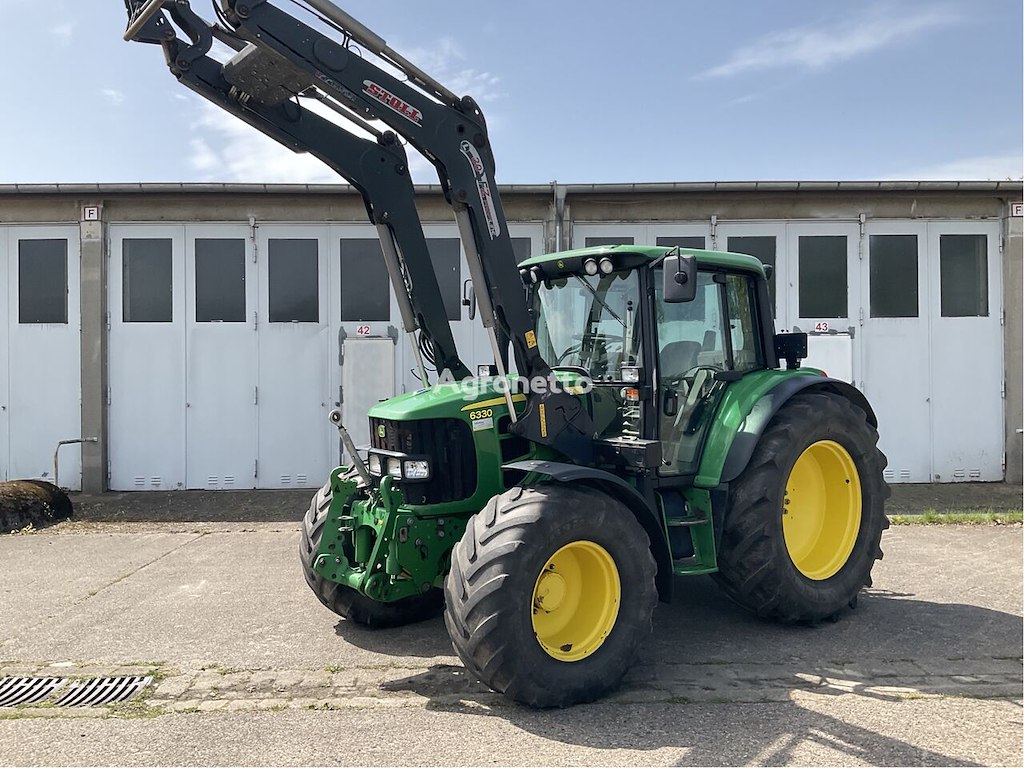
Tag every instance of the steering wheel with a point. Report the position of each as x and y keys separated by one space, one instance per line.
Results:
x=569 y=351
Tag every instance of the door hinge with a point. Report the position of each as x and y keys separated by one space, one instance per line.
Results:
x=108 y=395
x=253 y=227
x=861 y=313
x=255 y=395
x=1002 y=389
x=256 y=468
x=1002 y=317
x=108 y=321
x=862 y=218
x=255 y=320
x=109 y=470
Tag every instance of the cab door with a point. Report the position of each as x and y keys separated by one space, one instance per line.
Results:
x=697 y=340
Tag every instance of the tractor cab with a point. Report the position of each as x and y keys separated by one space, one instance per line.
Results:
x=659 y=363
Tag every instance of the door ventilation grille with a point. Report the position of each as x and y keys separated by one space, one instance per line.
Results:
x=27 y=690
x=102 y=690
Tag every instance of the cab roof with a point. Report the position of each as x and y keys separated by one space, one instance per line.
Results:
x=571 y=261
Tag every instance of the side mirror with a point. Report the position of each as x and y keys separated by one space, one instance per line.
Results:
x=679 y=278
x=469 y=298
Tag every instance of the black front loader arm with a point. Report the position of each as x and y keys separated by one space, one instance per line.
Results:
x=452 y=134
x=378 y=170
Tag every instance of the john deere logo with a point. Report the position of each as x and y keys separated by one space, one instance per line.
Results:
x=381 y=431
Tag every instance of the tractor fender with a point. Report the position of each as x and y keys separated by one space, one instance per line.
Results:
x=619 y=489
x=764 y=410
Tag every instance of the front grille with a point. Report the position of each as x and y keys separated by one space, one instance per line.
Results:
x=448 y=443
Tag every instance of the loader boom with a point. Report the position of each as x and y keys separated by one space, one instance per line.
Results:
x=262 y=89
x=449 y=131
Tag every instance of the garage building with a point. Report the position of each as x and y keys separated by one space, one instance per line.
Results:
x=197 y=335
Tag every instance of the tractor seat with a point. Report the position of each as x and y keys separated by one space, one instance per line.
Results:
x=677 y=357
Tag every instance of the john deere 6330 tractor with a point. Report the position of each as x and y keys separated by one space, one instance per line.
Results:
x=652 y=431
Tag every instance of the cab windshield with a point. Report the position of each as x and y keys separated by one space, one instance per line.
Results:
x=590 y=322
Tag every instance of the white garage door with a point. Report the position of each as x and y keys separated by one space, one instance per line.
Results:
x=146 y=312
x=5 y=289
x=295 y=441
x=221 y=387
x=40 y=352
x=966 y=351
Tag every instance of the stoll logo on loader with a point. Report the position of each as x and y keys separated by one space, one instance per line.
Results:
x=392 y=102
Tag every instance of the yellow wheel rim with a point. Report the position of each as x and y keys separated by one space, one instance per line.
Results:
x=822 y=509
x=576 y=600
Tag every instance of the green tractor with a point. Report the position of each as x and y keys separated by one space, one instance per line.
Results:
x=708 y=459
x=651 y=430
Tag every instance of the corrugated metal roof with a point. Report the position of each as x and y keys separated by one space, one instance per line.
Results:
x=572 y=189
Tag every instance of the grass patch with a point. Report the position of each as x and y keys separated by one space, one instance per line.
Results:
x=932 y=517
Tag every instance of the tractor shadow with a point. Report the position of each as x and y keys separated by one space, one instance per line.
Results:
x=701 y=630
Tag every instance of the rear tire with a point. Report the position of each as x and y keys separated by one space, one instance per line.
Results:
x=805 y=518
x=550 y=594
x=344 y=601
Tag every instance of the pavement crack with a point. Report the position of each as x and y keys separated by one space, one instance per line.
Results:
x=141 y=567
x=118 y=580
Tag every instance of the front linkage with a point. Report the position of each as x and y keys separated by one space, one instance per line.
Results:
x=375 y=544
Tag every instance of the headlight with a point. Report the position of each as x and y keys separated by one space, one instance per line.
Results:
x=395 y=467
x=417 y=469
x=630 y=374
x=590 y=266
x=607 y=267
x=373 y=464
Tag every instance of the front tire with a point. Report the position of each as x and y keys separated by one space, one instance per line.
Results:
x=344 y=601
x=806 y=516
x=550 y=593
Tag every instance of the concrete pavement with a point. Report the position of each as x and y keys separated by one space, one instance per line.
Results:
x=252 y=669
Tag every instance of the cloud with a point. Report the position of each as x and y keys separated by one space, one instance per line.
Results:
x=443 y=61
x=1009 y=165
x=817 y=47
x=63 y=32
x=226 y=149
x=114 y=96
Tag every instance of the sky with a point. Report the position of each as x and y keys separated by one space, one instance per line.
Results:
x=578 y=91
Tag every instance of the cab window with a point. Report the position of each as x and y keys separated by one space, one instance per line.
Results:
x=697 y=340
x=743 y=329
